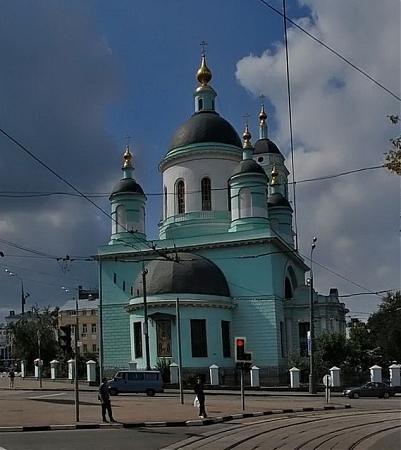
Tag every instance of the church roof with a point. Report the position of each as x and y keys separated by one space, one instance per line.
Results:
x=265 y=146
x=127 y=186
x=205 y=126
x=248 y=166
x=277 y=199
x=192 y=274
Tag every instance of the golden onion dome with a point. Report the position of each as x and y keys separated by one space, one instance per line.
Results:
x=204 y=75
x=262 y=114
x=127 y=157
x=274 y=175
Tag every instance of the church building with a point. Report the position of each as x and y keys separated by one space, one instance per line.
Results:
x=225 y=251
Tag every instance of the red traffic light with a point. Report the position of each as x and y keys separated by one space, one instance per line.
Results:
x=240 y=342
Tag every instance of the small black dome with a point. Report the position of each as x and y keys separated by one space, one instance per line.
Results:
x=277 y=199
x=265 y=146
x=192 y=274
x=248 y=166
x=127 y=185
x=205 y=126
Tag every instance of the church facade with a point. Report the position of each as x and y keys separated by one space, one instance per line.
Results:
x=225 y=251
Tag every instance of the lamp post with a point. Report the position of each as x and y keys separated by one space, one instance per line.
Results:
x=312 y=387
x=23 y=295
x=145 y=318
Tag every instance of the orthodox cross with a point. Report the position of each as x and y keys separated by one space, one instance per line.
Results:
x=203 y=44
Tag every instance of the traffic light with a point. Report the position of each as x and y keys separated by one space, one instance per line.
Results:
x=64 y=338
x=240 y=354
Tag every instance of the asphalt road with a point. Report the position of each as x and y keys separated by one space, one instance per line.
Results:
x=348 y=429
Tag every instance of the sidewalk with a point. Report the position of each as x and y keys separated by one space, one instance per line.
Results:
x=24 y=408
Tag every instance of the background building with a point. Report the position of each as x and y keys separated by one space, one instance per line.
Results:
x=225 y=250
x=88 y=320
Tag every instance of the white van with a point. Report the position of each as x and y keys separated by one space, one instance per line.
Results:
x=135 y=381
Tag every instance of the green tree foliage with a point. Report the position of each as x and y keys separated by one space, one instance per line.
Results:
x=393 y=156
x=25 y=332
x=385 y=327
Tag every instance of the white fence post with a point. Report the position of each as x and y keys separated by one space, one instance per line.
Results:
x=294 y=377
x=214 y=375
x=375 y=373
x=255 y=376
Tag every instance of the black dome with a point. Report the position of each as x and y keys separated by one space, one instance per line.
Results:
x=265 y=146
x=248 y=166
x=205 y=126
x=127 y=185
x=277 y=199
x=193 y=274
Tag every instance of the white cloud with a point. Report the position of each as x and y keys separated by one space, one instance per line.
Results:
x=340 y=124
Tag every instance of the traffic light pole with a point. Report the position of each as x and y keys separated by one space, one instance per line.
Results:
x=145 y=318
x=242 y=389
x=177 y=306
x=76 y=387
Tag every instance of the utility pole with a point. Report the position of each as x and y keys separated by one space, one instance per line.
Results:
x=145 y=313
x=40 y=361
x=101 y=365
x=76 y=387
x=177 y=308
x=312 y=387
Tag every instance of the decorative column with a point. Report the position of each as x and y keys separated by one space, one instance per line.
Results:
x=23 y=369
x=71 y=369
x=294 y=377
x=53 y=369
x=38 y=363
x=174 y=373
x=395 y=377
x=375 y=373
x=335 y=376
x=214 y=375
x=255 y=376
x=91 y=372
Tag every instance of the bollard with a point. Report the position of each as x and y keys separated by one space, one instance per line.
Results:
x=255 y=376
x=71 y=369
x=53 y=369
x=214 y=375
x=91 y=372
x=395 y=375
x=375 y=373
x=23 y=369
x=335 y=376
x=294 y=377
x=174 y=373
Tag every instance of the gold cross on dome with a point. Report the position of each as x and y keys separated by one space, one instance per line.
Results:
x=203 y=44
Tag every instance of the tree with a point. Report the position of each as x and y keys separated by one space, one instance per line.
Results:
x=385 y=327
x=393 y=156
x=26 y=331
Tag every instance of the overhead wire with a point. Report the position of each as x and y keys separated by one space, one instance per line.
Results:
x=327 y=47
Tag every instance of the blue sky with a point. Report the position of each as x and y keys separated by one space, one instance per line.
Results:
x=79 y=75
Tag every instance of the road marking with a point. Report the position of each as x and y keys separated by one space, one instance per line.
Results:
x=44 y=396
x=2 y=448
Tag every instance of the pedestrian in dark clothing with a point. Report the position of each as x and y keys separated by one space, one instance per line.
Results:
x=104 y=398
x=201 y=398
x=11 y=375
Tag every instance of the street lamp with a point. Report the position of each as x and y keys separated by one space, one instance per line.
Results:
x=312 y=387
x=23 y=295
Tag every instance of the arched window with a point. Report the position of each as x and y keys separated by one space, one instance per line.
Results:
x=200 y=104
x=245 y=202
x=165 y=202
x=121 y=219
x=206 y=194
x=180 y=191
x=288 y=289
x=229 y=195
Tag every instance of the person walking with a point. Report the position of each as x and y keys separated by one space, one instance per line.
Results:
x=200 y=394
x=11 y=376
x=104 y=398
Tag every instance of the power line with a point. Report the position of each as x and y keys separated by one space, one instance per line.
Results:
x=290 y=125
x=367 y=293
x=39 y=161
x=326 y=46
x=31 y=194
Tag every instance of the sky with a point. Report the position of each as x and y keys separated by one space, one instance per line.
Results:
x=79 y=75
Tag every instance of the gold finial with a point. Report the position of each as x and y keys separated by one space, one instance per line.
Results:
x=262 y=114
x=274 y=175
x=127 y=157
x=247 y=137
x=204 y=75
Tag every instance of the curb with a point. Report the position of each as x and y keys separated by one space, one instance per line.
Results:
x=177 y=423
